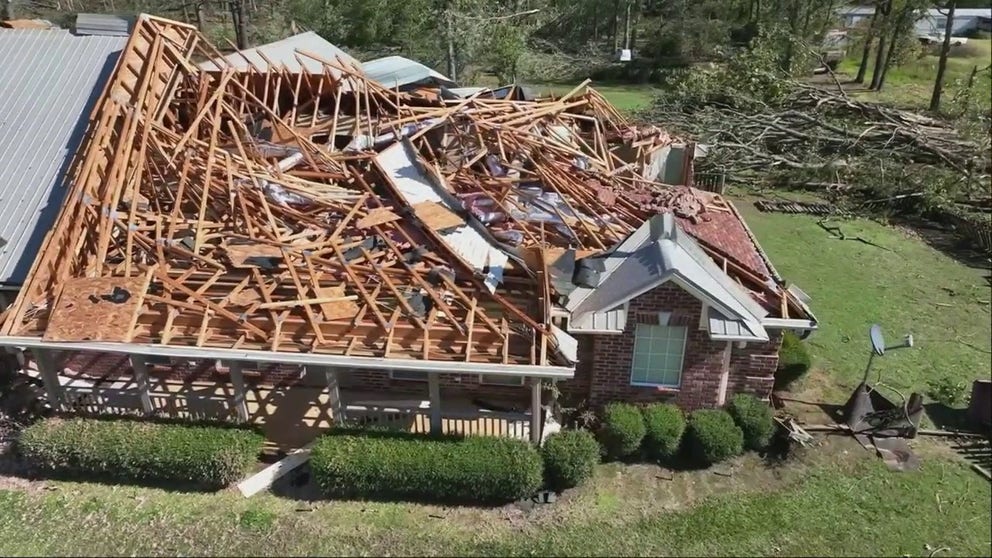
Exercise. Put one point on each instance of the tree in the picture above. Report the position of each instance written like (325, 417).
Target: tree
(866, 51)
(884, 9)
(945, 48)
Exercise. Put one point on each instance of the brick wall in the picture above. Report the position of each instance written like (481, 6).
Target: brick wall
(604, 373)
(752, 368)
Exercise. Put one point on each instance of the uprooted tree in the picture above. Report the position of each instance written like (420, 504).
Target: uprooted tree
(764, 128)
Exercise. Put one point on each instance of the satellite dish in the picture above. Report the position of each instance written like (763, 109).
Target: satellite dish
(877, 341)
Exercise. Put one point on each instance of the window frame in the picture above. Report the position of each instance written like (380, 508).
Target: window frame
(521, 380)
(685, 342)
(392, 376)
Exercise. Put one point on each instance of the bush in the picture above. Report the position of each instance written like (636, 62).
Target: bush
(622, 430)
(569, 458)
(754, 417)
(380, 464)
(207, 456)
(793, 361)
(713, 437)
(664, 424)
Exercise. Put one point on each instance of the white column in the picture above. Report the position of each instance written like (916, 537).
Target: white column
(238, 380)
(140, 368)
(45, 361)
(434, 389)
(334, 395)
(535, 410)
(721, 396)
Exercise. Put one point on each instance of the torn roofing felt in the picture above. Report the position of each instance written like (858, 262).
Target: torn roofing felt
(318, 212)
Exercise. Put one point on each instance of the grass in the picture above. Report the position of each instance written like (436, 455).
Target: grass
(816, 506)
(832, 499)
(911, 83)
(626, 97)
(905, 285)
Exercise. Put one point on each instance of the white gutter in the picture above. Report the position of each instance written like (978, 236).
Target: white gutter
(302, 359)
(782, 323)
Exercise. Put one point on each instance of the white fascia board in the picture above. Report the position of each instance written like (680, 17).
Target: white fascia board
(595, 331)
(302, 359)
(748, 338)
(782, 323)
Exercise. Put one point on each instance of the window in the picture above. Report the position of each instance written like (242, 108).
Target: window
(409, 375)
(658, 352)
(501, 380)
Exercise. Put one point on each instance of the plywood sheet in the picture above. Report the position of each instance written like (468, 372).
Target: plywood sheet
(377, 216)
(436, 216)
(346, 307)
(84, 313)
(247, 256)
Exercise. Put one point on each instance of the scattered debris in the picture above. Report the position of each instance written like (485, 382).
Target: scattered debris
(808, 208)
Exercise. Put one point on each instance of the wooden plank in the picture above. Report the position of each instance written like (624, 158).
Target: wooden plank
(263, 479)
(377, 216)
(337, 305)
(89, 310)
(436, 216)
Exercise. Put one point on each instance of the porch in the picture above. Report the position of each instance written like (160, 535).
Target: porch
(289, 413)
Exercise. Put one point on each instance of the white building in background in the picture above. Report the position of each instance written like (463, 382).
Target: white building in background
(931, 22)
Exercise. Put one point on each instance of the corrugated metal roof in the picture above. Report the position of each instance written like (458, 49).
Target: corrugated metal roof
(284, 53)
(50, 81)
(396, 72)
(107, 25)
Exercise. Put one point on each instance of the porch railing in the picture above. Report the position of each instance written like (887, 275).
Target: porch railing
(464, 423)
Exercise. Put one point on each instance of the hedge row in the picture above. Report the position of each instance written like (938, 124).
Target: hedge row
(713, 435)
(383, 464)
(570, 456)
(207, 456)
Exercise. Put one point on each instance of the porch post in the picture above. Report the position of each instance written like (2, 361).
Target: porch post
(535, 410)
(334, 395)
(140, 368)
(434, 389)
(238, 380)
(721, 396)
(50, 377)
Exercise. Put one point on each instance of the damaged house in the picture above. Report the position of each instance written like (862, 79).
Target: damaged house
(275, 236)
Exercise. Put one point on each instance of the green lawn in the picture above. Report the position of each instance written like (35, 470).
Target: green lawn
(911, 83)
(907, 287)
(626, 97)
(835, 501)
(832, 499)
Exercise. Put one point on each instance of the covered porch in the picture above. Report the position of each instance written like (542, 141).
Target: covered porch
(290, 413)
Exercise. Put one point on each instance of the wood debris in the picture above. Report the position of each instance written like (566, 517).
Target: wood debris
(255, 209)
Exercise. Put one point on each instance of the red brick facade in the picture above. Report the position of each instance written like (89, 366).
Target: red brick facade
(604, 373)
(601, 376)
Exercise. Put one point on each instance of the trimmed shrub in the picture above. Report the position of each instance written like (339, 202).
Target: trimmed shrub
(207, 456)
(380, 464)
(570, 456)
(622, 430)
(664, 424)
(754, 417)
(793, 361)
(712, 436)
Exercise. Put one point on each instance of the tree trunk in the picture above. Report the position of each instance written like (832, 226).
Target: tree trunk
(616, 26)
(240, 24)
(793, 31)
(885, 8)
(450, 38)
(945, 48)
(8, 9)
(866, 53)
(903, 23)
